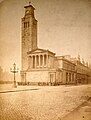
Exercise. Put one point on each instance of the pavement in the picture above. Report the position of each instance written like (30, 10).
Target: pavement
(44, 102)
(18, 90)
(5, 88)
(82, 112)
(12, 88)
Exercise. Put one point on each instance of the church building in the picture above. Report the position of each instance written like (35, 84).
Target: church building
(40, 66)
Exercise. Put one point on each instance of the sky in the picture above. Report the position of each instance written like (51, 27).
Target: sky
(64, 27)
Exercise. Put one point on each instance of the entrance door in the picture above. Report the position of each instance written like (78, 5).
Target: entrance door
(52, 78)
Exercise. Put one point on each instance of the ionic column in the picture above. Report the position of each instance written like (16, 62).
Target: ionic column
(68, 77)
(32, 61)
(35, 61)
(43, 61)
(71, 77)
(39, 61)
(47, 61)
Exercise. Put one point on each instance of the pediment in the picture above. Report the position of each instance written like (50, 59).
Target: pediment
(37, 51)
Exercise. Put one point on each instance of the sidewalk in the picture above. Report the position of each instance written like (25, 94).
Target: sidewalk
(5, 88)
(18, 88)
(82, 112)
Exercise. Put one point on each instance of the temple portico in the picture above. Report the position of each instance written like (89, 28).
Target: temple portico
(40, 59)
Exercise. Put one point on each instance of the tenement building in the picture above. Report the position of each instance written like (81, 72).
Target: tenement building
(43, 67)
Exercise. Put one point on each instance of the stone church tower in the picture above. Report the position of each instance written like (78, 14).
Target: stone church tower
(29, 35)
(42, 67)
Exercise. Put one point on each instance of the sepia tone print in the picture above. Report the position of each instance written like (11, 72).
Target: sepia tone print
(43, 84)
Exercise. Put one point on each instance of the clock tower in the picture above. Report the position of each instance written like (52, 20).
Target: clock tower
(29, 35)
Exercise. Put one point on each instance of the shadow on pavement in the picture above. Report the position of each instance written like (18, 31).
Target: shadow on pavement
(16, 90)
(82, 112)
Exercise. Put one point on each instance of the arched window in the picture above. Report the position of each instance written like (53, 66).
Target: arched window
(26, 24)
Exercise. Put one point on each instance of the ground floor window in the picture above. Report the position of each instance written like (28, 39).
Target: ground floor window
(72, 76)
(66, 77)
(69, 77)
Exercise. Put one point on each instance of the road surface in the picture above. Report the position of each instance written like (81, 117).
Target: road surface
(42, 102)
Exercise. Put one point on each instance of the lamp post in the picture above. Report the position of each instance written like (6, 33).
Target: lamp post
(14, 70)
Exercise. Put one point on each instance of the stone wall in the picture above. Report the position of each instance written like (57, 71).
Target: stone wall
(37, 76)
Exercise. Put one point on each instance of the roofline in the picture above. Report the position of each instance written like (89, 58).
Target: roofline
(29, 6)
(40, 49)
(65, 60)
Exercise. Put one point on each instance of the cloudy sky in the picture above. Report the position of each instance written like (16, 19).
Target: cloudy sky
(64, 27)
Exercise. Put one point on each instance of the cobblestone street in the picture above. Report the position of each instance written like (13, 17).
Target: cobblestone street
(83, 112)
(41, 102)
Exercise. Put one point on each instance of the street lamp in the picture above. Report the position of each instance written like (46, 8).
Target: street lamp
(14, 70)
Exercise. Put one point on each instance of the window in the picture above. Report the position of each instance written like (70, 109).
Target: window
(73, 77)
(69, 76)
(66, 77)
(26, 24)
